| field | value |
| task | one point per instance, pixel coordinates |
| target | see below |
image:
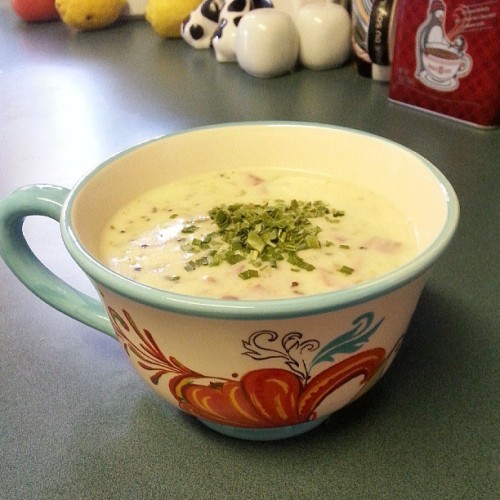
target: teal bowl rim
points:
(262, 309)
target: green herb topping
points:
(346, 270)
(263, 234)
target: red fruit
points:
(35, 10)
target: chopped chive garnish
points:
(190, 266)
(346, 270)
(234, 258)
(249, 273)
(312, 242)
(255, 241)
(203, 261)
(297, 261)
(189, 229)
(262, 234)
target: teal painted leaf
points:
(350, 341)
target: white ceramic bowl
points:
(251, 369)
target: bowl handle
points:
(44, 200)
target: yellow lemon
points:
(89, 14)
(166, 16)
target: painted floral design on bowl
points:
(284, 395)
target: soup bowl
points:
(251, 369)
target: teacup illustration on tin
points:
(441, 55)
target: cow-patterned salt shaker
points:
(224, 39)
(199, 27)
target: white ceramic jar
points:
(325, 35)
(267, 43)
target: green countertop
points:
(76, 422)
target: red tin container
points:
(447, 59)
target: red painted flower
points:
(269, 397)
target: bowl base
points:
(264, 434)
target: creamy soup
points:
(257, 235)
